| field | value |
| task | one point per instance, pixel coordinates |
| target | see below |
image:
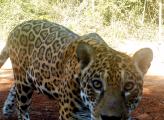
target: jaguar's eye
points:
(128, 86)
(97, 84)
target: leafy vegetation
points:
(113, 20)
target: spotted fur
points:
(90, 80)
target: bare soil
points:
(151, 106)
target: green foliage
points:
(112, 19)
(124, 9)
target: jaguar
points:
(90, 80)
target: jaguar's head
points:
(112, 82)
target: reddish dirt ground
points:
(151, 106)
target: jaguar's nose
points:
(105, 117)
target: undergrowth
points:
(115, 23)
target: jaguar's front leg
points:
(24, 94)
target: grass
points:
(80, 18)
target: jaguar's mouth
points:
(106, 117)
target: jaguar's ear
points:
(142, 59)
(85, 55)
